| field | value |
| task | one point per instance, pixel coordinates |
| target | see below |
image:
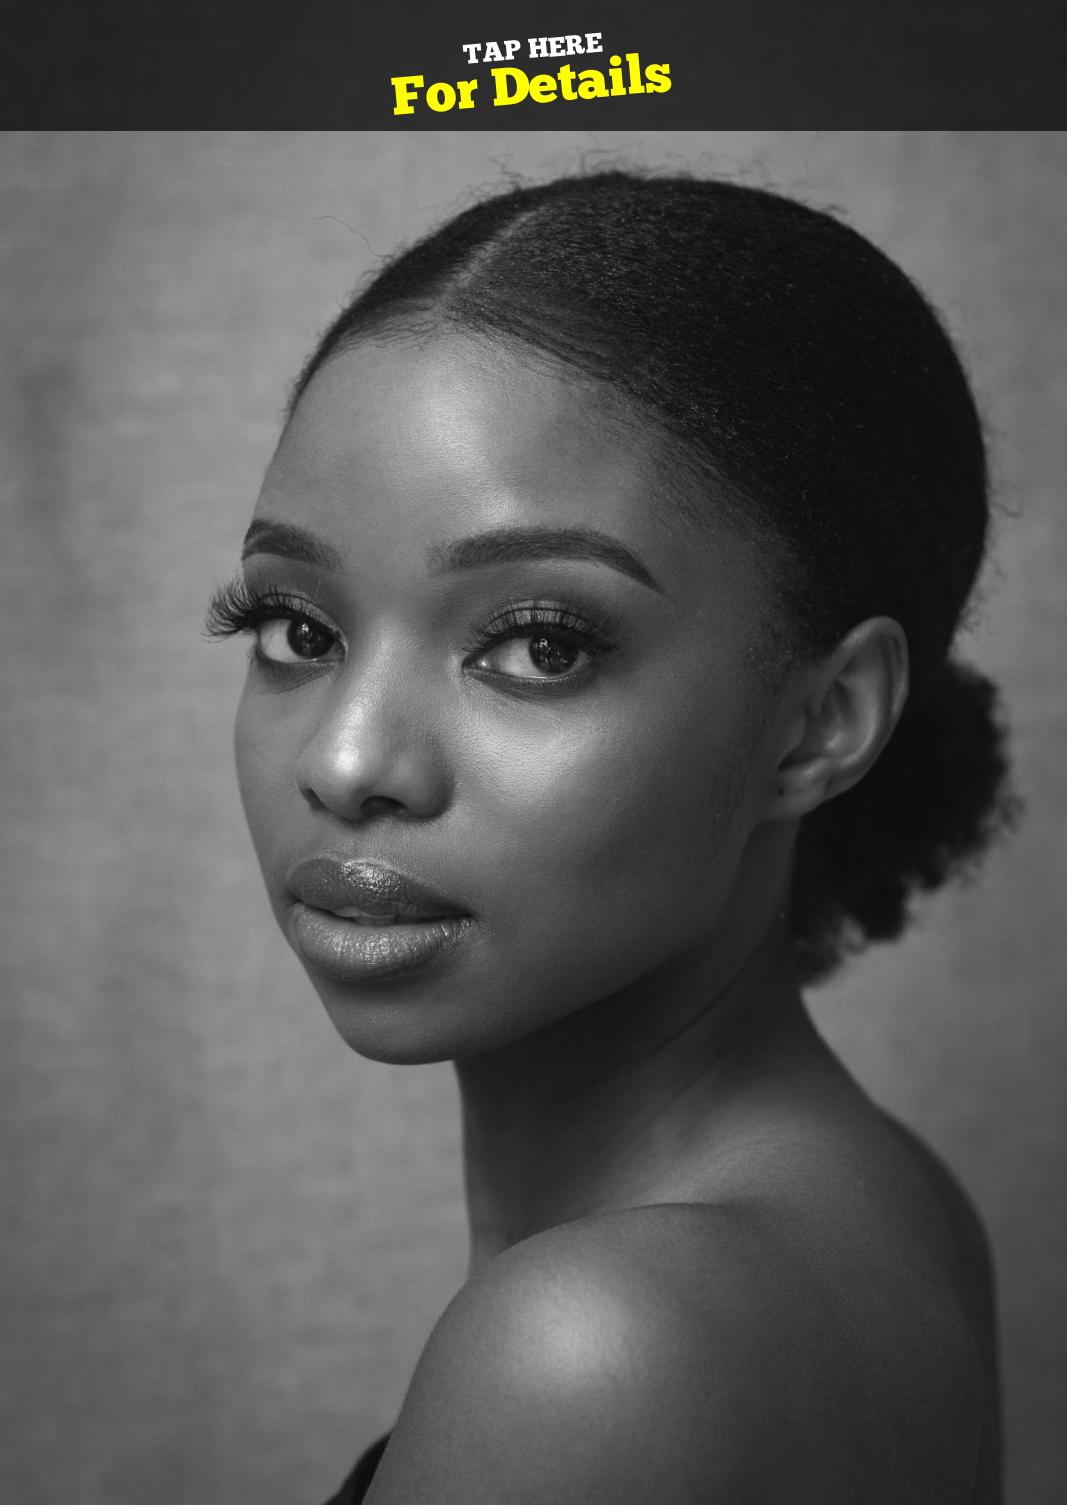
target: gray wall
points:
(225, 1237)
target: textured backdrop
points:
(225, 1237)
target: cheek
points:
(618, 818)
(263, 762)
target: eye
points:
(537, 654)
(542, 642)
(293, 639)
(286, 628)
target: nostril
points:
(380, 804)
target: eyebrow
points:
(265, 537)
(497, 546)
(502, 545)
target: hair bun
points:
(926, 812)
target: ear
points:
(842, 715)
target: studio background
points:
(225, 1237)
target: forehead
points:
(399, 445)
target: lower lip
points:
(350, 951)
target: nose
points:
(374, 750)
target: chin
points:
(399, 1025)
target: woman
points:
(602, 588)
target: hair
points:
(803, 379)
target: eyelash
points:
(558, 620)
(236, 608)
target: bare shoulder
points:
(968, 1232)
(670, 1352)
(974, 1289)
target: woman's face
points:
(501, 673)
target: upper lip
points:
(373, 889)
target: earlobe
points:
(847, 711)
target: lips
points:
(367, 893)
(361, 923)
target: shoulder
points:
(624, 1357)
(963, 1216)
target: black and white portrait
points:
(533, 816)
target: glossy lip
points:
(401, 927)
(379, 892)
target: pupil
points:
(550, 655)
(306, 638)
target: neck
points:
(630, 1100)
